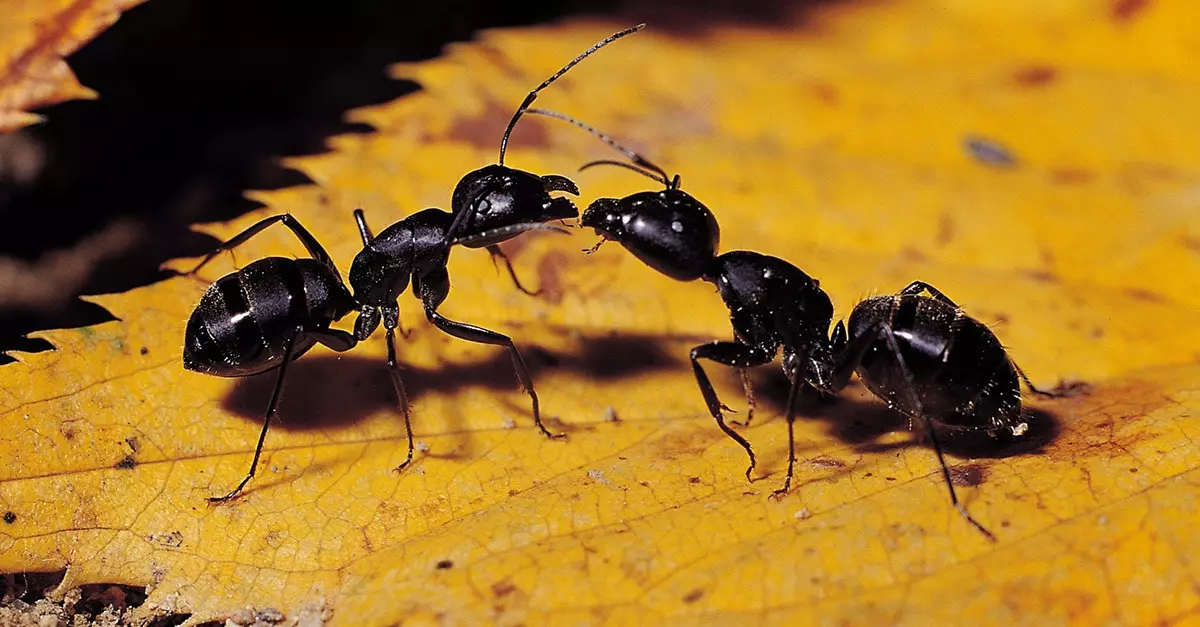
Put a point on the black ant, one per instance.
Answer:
(929, 360)
(772, 304)
(274, 310)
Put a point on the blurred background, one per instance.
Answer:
(198, 101)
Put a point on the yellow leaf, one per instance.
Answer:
(1037, 162)
(35, 36)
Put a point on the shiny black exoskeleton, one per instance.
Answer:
(274, 310)
(772, 304)
(266, 315)
(496, 203)
(929, 360)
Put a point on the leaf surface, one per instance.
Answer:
(1037, 163)
(35, 37)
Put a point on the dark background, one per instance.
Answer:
(198, 100)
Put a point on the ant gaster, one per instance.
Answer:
(929, 360)
(772, 304)
(274, 310)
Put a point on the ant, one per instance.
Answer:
(274, 310)
(772, 304)
(945, 368)
(926, 358)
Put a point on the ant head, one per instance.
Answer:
(496, 203)
(500, 203)
(669, 230)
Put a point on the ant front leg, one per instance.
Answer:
(916, 287)
(497, 252)
(272, 409)
(735, 355)
(314, 247)
(433, 289)
(391, 320)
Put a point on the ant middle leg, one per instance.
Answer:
(791, 424)
(495, 251)
(735, 355)
(433, 288)
(310, 243)
(272, 409)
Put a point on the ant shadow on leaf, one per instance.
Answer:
(858, 419)
(327, 391)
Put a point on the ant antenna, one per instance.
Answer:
(661, 178)
(642, 164)
(533, 94)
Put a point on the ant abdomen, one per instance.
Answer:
(961, 377)
(234, 330)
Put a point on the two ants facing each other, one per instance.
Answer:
(921, 354)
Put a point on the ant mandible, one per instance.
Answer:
(927, 359)
(772, 304)
(274, 310)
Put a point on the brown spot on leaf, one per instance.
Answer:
(693, 596)
(503, 588)
(444, 565)
(550, 274)
(968, 475)
(1035, 76)
(1071, 176)
(1041, 276)
(10, 517)
(127, 463)
(1125, 10)
(825, 93)
(945, 230)
(1145, 295)
(693, 479)
(486, 130)
(1191, 243)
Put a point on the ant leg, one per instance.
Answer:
(314, 247)
(751, 403)
(916, 287)
(1060, 393)
(728, 354)
(434, 287)
(791, 423)
(851, 355)
(391, 320)
(272, 408)
(496, 252)
(915, 404)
